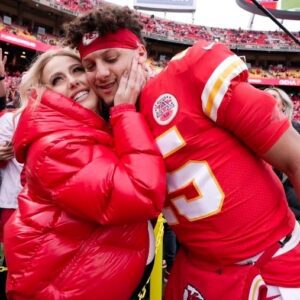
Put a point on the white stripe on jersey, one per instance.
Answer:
(218, 84)
(170, 141)
(257, 282)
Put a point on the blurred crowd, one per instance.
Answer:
(170, 30)
(182, 31)
(77, 5)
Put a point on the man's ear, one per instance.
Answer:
(142, 53)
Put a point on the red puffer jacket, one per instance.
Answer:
(81, 228)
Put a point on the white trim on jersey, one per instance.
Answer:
(218, 84)
(170, 141)
(255, 287)
(283, 293)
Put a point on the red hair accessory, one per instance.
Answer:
(123, 38)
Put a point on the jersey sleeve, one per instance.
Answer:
(253, 116)
(212, 68)
(230, 101)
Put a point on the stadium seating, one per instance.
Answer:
(187, 33)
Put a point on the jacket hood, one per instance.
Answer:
(56, 113)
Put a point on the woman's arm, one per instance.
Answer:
(93, 181)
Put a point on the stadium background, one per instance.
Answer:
(28, 27)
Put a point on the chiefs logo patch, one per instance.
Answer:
(165, 109)
(88, 38)
(190, 293)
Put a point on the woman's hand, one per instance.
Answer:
(131, 84)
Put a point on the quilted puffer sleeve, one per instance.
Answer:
(101, 184)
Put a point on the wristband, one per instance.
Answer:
(2, 77)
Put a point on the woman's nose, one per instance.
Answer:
(73, 82)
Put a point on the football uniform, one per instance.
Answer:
(224, 202)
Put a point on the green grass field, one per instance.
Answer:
(293, 5)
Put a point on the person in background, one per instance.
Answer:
(13, 97)
(9, 168)
(10, 171)
(285, 104)
(82, 226)
(238, 238)
(6, 151)
(3, 60)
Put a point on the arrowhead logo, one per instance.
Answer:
(191, 293)
(88, 38)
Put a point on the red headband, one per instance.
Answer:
(123, 38)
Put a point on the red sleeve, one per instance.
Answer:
(252, 115)
(228, 100)
(212, 68)
(23, 176)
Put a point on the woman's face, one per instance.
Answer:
(65, 75)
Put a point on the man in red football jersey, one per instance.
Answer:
(219, 137)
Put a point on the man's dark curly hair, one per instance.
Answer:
(107, 18)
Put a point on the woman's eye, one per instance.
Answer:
(56, 80)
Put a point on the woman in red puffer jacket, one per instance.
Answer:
(81, 230)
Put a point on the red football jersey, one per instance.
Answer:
(224, 202)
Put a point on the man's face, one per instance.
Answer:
(105, 67)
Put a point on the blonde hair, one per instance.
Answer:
(286, 101)
(32, 79)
